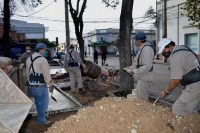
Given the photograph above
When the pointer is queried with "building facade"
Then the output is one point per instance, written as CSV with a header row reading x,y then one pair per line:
x,y
31,30
178,26
21,30
22,33
107,39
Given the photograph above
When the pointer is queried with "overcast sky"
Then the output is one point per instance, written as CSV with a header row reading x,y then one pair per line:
x,y
94,14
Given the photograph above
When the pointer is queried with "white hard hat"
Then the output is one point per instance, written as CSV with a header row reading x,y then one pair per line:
x,y
162,43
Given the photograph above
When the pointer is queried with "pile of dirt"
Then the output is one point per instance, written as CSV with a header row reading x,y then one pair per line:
x,y
121,115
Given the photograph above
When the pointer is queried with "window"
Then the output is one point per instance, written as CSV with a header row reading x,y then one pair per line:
x,y
102,31
191,41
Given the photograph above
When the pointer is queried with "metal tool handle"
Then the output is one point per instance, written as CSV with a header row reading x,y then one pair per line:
x,y
156,100
52,97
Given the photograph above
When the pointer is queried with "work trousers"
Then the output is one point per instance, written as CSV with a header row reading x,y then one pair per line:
x,y
189,100
41,98
142,89
75,76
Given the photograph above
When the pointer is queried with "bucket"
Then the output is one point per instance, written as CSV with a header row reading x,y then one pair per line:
x,y
92,70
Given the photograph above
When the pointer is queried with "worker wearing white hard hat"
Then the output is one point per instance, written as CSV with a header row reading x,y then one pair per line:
x,y
184,70
161,45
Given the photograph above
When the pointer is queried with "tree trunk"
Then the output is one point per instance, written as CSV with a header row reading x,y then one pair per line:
x,y
6,29
81,45
126,81
67,25
78,23
79,37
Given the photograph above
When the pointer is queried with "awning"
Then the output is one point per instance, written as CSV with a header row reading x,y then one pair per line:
x,y
101,43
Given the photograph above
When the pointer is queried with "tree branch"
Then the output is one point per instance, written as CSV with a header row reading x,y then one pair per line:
x,y
83,8
111,3
72,10
77,5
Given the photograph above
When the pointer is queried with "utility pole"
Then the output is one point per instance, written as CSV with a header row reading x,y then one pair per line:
x,y
67,24
165,20
178,25
6,29
165,23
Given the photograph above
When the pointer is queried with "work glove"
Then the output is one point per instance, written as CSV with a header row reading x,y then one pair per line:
x,y
129,70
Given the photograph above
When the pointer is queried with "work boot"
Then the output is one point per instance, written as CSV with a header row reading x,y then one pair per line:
x,y
47,123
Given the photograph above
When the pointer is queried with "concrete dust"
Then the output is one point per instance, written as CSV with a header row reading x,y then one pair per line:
x,y
121,115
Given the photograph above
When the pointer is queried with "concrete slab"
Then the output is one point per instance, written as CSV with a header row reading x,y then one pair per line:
x,y
64,103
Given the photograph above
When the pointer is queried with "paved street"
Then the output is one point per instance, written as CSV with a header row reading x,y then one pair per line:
x,y
161,77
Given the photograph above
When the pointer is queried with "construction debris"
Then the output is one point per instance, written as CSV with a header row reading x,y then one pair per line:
x,y
14,103
123,115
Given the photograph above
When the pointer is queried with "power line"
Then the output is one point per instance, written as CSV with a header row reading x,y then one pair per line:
x,y
87,21
41,9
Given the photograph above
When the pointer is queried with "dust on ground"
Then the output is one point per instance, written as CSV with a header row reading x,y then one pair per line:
x,y
122,115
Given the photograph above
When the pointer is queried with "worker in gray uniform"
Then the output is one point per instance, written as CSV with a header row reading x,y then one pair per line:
x,y
143,69
72,62
25,55
184,70
38,73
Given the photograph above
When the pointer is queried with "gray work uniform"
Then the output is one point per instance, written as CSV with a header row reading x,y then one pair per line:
x,y
24,57
145,72
74,71
181,63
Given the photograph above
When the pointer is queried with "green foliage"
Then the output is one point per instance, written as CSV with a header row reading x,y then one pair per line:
x,y
31,3
46,41
49,44
35,41
150,13
111,3
193,12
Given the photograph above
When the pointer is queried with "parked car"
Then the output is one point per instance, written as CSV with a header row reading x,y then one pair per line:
x,y
61,55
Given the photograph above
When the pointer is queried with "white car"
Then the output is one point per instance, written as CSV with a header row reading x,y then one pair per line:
x,y
56,67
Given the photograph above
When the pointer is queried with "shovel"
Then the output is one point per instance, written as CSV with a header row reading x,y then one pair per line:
x,y
52,97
